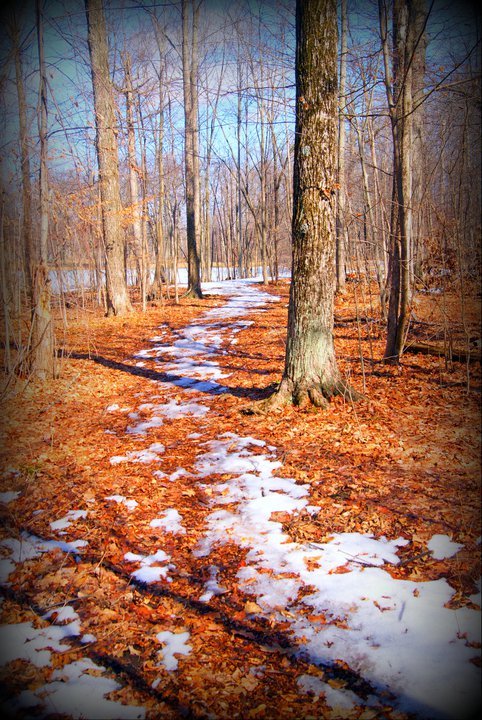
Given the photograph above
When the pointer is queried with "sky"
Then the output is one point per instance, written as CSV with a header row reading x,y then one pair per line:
x,y
451,27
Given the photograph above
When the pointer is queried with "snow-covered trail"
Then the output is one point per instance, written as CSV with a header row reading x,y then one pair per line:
x,y
339,598
190,358
397,635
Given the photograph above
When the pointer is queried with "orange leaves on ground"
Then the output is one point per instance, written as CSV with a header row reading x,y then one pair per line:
x,y
404,463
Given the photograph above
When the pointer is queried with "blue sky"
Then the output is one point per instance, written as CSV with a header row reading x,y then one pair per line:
x,y
452,28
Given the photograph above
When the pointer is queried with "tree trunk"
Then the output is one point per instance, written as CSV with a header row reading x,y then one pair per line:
x,y
144,256
133,169
340,208
117,296
27,239
406,24
42,364
239,120
263,198
191,144
311,373
418,117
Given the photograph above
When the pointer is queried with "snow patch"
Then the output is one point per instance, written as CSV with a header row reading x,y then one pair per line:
x,y
173,409
122,500
151,454
174,644
9,496
25,642
399,635
170,522
71,516
442,547
149,571
29,547
142,427
212,586
73,691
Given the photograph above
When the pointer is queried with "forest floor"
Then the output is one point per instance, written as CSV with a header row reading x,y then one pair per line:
x,y
166,554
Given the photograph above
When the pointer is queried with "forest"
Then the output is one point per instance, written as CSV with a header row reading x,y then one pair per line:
x,y
240,276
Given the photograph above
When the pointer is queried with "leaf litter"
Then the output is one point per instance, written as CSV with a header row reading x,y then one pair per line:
x,y
295,565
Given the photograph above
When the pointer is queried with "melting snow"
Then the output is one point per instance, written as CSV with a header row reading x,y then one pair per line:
x,y
77,693
24,641
62,614
68,519
212,586
174,644
142,427
6,497
397,634
151,454
335,698
122,500
442,547
173,409
171,522
179,472
148,571
191,365
29,547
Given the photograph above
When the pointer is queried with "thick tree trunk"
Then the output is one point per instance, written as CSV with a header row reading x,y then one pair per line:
x,y
191,145
311,373
118,302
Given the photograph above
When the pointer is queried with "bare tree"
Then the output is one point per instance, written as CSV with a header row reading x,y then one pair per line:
x,y
135,199
340,209
418,134
190,21
159,246
408,22
42,363
24,155
118,302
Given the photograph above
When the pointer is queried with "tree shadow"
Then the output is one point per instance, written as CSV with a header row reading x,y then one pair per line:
x,y
209,387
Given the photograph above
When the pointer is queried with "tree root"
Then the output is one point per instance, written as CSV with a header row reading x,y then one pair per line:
x,y
302,395
191,292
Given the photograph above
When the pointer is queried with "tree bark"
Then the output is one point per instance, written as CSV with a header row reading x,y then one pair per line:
x,y
156,288
117,296
27,239
42,362
191,144
134,194
408,23
340,210
311,373
418,115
